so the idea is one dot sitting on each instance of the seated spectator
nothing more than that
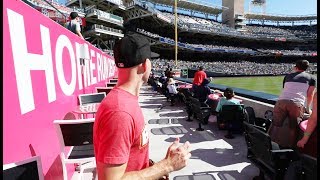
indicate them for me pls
(162, 78)
(308, 143)
(172, 89)
(152, 82)
(227, 99)
(203, 91)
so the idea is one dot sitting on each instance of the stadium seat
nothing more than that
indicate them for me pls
(265, 154)
(201, 112)
(78, 135)
(303, 169)
(91, 98)
(251, 114)
(231, 116)
(103, 89)
(261, 123)
(186, 94)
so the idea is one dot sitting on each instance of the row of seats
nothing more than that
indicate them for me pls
(78, 133)
(272, 161)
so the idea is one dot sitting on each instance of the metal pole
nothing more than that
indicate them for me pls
(176, 31)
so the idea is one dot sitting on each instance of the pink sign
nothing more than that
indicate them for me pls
(42, 80)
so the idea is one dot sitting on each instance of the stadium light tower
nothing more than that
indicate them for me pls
(176, 31)
(258, 3)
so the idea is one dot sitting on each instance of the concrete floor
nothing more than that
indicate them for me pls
(213, 156)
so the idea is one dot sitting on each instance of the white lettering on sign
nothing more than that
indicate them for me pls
(63, 42)
(99, 67)
(92, 67)
(79, 67)
(25, 62)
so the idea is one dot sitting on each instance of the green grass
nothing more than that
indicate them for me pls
(266, 84)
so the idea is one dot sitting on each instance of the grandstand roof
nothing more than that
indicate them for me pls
(274, 17)
(195, 6)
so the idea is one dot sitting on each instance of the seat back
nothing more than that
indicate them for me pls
(251, 114)
(70, 116)
(30, 168)
(202, 113)
(91, 98)
(111, 84)
(195, 104)
(113, 80)
(103, 89)
(77, 132)
(303, 169)
(263, 123)
(232, 114)
(259, 144)
(309, 165)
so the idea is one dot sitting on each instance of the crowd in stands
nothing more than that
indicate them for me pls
(210, 46)
(254, 31)
(288, 52)
(62, 8)
(270, 32)
(229, 68)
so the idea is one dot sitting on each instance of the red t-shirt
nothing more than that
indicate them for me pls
(119, 133)
(199, 76)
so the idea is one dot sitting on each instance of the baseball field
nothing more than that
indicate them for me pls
(266, 84)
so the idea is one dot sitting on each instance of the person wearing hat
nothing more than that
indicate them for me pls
(120, 136)
(294, 100)
(73, 25)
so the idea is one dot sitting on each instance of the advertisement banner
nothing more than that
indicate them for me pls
(42, 79)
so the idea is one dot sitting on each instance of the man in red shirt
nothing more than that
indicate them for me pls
(199, 76)
(121, 142)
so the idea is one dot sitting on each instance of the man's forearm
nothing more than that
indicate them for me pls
(154, 172)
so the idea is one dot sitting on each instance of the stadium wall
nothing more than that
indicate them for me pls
(42, 80)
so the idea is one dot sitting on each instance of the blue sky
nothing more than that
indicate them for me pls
(286, 7)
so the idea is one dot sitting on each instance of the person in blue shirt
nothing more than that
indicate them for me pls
(227, 99)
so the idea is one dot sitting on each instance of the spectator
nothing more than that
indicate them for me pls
(308, 143)
(227, 100)
(203, 91)
(74, 25)
(199, 76)
(121, 142)
(172, 89)
(298, 89)
(169, 73)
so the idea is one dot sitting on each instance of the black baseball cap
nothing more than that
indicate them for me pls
(133, 49)
(302, 64)
(229, 91)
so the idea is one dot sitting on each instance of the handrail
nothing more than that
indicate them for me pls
(55, 9)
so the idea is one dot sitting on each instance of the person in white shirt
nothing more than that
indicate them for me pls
(173, 92)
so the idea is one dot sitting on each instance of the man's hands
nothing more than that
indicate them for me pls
(178, 155)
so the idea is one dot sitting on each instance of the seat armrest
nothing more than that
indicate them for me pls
(284, 154)
(277, 151)
(205, 108)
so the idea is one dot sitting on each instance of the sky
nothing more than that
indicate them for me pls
(283, 7)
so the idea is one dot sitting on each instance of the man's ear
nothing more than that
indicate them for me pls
(142, 67)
